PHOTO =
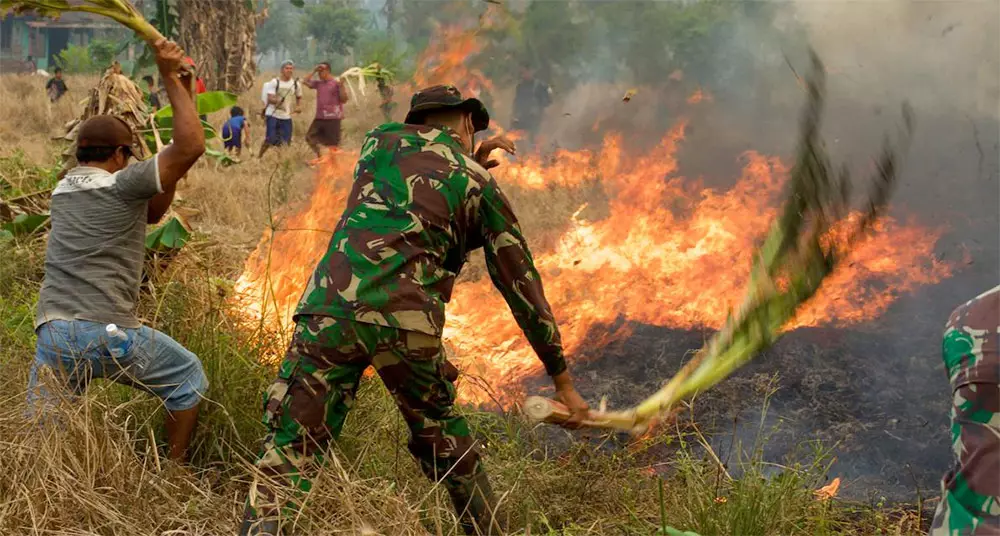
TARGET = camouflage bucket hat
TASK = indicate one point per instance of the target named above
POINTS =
(442, 97)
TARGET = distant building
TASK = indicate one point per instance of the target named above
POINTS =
(43, 39)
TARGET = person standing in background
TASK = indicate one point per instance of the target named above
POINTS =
(277, 97)
(330, 98)
(154, 94)
(531, 98)
(199, 84)
(385, 91)
(56, 86)
(30, 67)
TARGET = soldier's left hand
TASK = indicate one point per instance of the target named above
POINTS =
(497, 142)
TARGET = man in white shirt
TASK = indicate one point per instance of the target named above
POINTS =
(277, 96)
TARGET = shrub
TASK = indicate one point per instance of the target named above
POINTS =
(75, 59)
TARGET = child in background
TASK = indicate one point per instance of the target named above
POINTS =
(154, 94)
(234, 130)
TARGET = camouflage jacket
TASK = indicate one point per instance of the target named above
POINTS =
(418, 207)
(971, 338)
(970, 491)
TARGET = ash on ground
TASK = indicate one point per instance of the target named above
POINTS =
(876, 395)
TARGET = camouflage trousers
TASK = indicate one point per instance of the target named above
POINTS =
(307, 405)
(970, 492)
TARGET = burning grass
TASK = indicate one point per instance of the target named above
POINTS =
(99, 471)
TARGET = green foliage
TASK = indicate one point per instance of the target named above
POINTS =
(165, 17)
(24, 224)
(75, 59)
(221, 157)
(277, 32)
(20, 176)
(550, 39)
(170, 236)
(102, 52)
(334, 24)
(208, 103)
(375, 46)
(165, 128)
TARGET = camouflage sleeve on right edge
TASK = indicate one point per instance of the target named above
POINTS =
(513, 272)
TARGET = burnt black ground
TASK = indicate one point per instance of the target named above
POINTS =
(876, 394)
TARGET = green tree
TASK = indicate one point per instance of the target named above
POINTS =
(334, 24)
(277, 32)
(377, 46)
(102, 52)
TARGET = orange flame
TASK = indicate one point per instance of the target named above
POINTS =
(670, 252)
(828, 491)
(699, 96)
(276, 273)
(446, 60)
(667, 251)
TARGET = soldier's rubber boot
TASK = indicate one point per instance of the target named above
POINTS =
(255, 527)
(477, 505)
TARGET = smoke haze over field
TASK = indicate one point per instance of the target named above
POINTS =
(939, 55)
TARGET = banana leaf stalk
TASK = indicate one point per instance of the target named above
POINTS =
(121, 11)
(361, 76)
(790, 266)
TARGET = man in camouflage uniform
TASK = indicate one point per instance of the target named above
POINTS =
(420, 204)
(970, 492)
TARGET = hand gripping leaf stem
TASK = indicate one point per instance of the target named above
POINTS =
(120, 10)
(797, 254)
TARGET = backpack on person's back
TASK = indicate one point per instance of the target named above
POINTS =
(277, 85)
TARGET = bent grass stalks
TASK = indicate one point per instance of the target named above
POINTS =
(795, 258)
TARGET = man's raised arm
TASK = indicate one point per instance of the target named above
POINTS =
(188, 140)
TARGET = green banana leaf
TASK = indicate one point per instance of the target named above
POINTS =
(170, 236)
(165, 127)
(222, 157)
(208, 102)
(25, 224)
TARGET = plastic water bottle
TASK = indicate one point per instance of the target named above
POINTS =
(117, 341)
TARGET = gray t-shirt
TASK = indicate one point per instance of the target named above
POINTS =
(93, 263)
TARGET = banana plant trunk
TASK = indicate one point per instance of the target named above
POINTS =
(221, 37)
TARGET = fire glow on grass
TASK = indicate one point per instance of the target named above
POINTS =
(669, 252)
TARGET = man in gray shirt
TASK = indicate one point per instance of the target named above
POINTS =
(86, 323)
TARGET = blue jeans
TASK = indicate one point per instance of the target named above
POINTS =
(77, 351)
(279, 131)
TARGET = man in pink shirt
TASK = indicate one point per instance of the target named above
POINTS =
(330, 98)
